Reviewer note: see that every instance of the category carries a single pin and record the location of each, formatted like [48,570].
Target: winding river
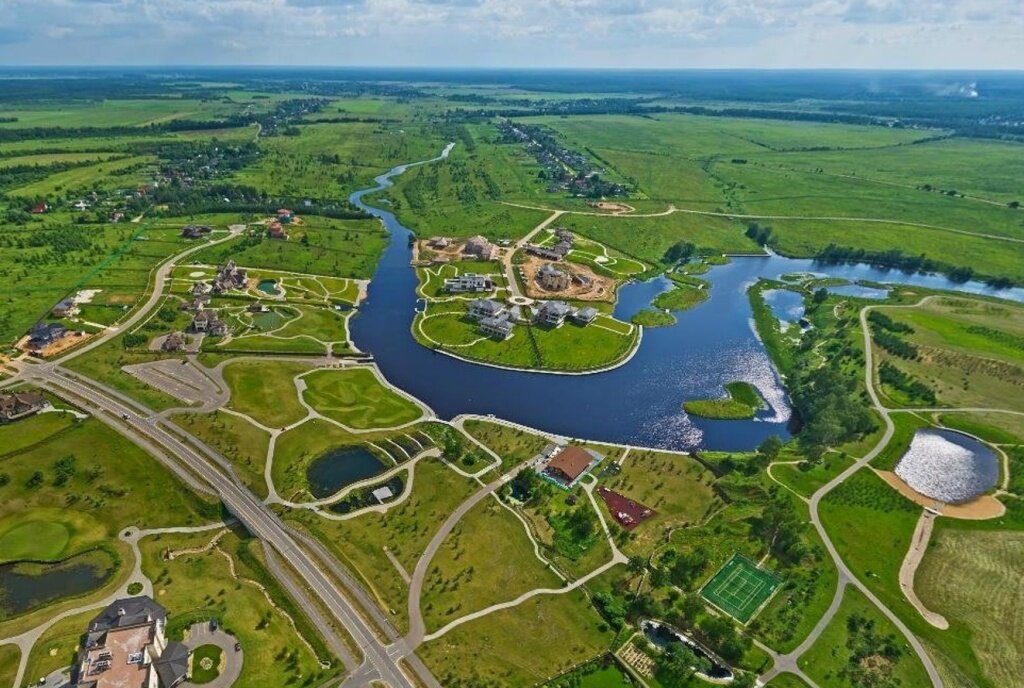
[637,403]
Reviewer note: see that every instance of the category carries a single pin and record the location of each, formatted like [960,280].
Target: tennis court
[740,588]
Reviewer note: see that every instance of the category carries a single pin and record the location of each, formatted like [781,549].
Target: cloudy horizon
[856,34]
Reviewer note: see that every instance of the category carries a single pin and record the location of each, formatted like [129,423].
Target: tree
[677,664]
[680,251]
[771,447]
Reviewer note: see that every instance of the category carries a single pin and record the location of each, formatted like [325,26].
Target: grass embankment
[9,658]
[743,401]
[356,398]
[650,317]
[861,647]
[238,440]
[513,445]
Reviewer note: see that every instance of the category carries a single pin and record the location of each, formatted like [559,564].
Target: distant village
[565,170]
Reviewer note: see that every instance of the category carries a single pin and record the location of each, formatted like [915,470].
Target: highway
[257,518]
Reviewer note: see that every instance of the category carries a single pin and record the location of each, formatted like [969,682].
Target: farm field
[968,576]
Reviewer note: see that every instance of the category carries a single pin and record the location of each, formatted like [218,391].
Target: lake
[948,466]
[637,403]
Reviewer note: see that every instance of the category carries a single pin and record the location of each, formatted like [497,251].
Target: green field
[861,647]
[356,398]
[265,390]
[205,654]
[740,588]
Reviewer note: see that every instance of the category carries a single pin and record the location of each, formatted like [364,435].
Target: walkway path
[918,547]
[510,268]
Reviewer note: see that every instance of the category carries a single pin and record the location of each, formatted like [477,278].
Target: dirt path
[918,546]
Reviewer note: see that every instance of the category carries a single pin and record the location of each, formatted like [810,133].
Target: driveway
[200,634]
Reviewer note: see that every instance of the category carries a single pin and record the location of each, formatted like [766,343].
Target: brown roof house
[20,405]
[571,464]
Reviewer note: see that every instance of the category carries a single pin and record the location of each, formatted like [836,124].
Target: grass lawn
[677,487]
[513,445]
[15,437]
[205,654]
[742,401]
[56,648]
[861,647]
[36,540]
[241,442]
[570,347]
[521,646]
[198,587]
[405,530]
[787,681]
[652,317]
[807,480]
[972,578]
[356,398]
[9,658]
[488,558]
[265,391]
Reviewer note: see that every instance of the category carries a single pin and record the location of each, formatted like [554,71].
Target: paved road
[201,634]
[788,662]
[510,267]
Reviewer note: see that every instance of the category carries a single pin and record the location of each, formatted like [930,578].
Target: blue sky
[938,34]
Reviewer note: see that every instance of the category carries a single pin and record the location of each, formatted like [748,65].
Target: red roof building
[569,464]
[40,208]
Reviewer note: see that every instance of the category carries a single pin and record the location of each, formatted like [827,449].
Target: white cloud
[674,33]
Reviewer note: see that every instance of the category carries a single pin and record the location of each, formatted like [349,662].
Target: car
[125,416]
[214,624]
[238,647]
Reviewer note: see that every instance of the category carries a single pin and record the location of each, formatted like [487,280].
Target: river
[637,403]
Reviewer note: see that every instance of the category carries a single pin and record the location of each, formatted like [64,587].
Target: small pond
[340,467]
[948,466]
[786,305]
[859,291]
[662,635]
[25,586]
[269,287]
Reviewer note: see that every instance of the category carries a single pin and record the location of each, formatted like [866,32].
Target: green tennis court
[740,588]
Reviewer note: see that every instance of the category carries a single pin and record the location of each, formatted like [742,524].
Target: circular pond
[948,466]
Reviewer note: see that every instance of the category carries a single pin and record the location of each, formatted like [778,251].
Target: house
[201,321]
[553,279]
[217,327]
[229,277]
[277,231]
[80,205]
[40,208]
[258,307]
[584,316]
[485,308]
[553,313]
[481,248]
[469,281]
[499,328]
[285,215]
[65,308]
[546,253]
[43,335]
[570,464]
[382,494]
[439,242]
[126,646]
[195,231]
[20,405]
[175,341]
[201,289]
